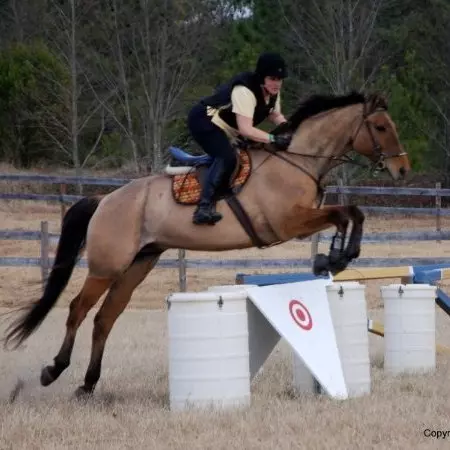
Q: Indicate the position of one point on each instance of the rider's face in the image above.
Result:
(273, 84)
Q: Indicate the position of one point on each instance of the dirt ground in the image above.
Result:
(130, 407)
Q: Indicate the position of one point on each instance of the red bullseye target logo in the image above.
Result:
(300, 314)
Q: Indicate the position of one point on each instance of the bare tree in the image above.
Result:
(20, 19)
(155, 47)
(337, 39)
(65, 36)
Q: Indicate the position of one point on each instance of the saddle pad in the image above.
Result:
(186, 188)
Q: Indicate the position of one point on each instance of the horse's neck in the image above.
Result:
(320, 139)
(323, 138)
(277, 176)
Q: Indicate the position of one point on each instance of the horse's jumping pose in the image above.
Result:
(275, 197)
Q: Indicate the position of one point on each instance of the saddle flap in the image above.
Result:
(186, 188)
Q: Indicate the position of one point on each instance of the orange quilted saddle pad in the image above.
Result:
(186, 188)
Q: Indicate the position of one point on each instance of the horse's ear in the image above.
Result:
(376, 101)
(382, 101)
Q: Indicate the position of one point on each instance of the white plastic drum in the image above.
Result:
(302, 379)
(208, 350)
(231, 287)
(348, 310)
(409, 328)
(262, 336)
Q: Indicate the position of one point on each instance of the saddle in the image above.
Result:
(188, 174)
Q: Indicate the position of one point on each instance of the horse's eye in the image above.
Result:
(380, 127)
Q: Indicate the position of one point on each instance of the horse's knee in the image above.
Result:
(339, 219)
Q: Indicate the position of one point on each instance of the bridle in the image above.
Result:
(378, 165)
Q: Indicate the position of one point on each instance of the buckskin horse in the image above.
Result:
(275, 196)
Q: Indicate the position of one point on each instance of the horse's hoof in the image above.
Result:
(335, 257)
(82, 393)
(321, 265)
(339, 265)
(46, 376)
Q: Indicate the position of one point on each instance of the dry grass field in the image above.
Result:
(130, 406)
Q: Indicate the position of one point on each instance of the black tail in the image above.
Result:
(71, 242)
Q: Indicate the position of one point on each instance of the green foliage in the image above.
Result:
(32, 103)
(409, 106)
(240, 51)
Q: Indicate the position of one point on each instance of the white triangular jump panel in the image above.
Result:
(300, 313)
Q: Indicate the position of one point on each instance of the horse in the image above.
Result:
(274, 196)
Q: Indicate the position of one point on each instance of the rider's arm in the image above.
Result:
(246, 129)
(244, 103)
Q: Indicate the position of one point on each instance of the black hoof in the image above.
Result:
(339, 265)
(335, 257)
(46, 376)
(84, 393)
(321, 265)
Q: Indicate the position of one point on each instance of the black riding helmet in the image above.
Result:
(270, 65)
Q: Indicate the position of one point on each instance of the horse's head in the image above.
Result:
(335, 125)
(376, 138)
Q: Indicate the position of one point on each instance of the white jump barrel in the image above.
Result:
(348, 311)
(302, 379)
(262, 336)
(231, 288)
(409, 328)
(208, 350)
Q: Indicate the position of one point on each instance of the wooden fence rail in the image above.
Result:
(182, 263)
(44, 261)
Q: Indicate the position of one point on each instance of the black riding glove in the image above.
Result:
(281, 142)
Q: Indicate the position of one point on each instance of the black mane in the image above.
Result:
(316, 104)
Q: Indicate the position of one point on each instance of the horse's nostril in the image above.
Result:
(402, 171)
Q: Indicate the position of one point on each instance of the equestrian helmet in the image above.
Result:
(270, 65)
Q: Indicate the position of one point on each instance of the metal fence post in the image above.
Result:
(45, 261)
(182, 269)
(438, 208)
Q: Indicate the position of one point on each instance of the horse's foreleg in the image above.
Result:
(339, 255)
(92, 290)
(337, 260)
(114, 304)
(304, 222)
(354, 243)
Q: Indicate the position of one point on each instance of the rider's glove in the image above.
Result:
(280, 141)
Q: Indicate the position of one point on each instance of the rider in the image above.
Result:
(232, 111)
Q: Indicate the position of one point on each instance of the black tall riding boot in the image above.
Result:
(205, 212)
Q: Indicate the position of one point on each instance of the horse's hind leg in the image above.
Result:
(92, 290)
(113, 305)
